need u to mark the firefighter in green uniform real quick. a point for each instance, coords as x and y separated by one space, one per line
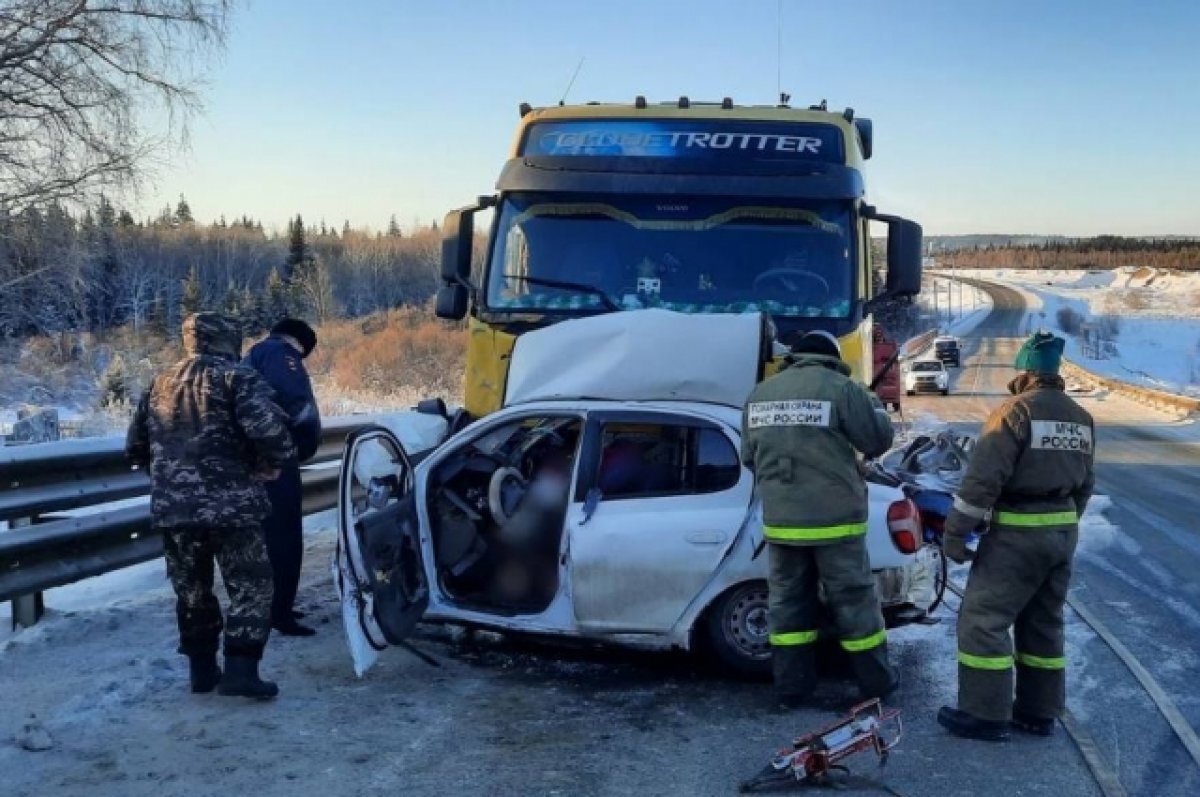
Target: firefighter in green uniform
1029 480
800 431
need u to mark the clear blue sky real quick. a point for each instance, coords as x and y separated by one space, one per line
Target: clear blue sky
1062 116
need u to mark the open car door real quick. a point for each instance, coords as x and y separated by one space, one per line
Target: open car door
378 565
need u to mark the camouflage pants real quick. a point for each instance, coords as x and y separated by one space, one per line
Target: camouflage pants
242 556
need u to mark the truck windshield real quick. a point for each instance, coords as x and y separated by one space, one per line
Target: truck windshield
556 254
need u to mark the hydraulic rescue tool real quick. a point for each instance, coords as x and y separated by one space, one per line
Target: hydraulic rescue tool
813 759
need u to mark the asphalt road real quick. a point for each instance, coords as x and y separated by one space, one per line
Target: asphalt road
1140 579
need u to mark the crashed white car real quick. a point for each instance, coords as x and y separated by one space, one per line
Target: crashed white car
606 501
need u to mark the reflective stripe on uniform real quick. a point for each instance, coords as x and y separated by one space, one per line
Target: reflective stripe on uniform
985 662
810 533
970 510
1037 519
865 643
793 638
1042 662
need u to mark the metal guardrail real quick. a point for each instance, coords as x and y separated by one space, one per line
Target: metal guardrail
914 346
43 549
1159 399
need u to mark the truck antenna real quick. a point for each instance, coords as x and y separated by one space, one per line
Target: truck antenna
779 54
567 90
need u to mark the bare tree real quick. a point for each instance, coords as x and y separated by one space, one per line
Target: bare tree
75 77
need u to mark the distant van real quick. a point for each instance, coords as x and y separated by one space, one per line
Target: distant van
946 349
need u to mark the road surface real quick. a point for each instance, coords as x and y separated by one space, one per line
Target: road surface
1141 581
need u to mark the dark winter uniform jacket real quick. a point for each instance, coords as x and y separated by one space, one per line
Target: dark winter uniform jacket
205 427
1033 464
283 368
800 431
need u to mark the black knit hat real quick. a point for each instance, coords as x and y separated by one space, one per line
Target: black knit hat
818 342
302 332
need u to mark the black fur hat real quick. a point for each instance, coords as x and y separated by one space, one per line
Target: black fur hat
302 332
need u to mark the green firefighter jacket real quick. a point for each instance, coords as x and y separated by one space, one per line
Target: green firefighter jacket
1033 464
800 430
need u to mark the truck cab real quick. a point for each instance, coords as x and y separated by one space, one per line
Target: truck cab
699 208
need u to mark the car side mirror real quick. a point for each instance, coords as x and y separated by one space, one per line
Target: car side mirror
590 503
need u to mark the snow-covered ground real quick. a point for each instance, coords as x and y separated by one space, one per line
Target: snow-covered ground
1147 319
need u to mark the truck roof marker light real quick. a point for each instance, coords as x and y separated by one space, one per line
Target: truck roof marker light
639 102
727 103
524 108
784 99
684 102
848 114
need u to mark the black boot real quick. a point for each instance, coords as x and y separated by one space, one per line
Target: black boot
960 723
205 675
290 627
1031 723
241 679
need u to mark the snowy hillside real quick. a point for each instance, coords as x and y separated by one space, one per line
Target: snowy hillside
1139 325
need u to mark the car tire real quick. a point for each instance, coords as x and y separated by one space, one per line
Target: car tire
946 392
910 392
736 631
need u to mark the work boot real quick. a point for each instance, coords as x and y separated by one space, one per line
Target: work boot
1032 723
204 673
290 627
883 690
960 723
241 679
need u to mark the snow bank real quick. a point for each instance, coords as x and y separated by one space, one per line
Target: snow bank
1156 342
1096 532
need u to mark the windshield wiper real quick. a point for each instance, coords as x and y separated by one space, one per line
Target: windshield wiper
578 287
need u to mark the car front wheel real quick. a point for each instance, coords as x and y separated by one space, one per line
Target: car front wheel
737 630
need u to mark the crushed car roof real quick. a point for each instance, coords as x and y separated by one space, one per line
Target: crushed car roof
640 355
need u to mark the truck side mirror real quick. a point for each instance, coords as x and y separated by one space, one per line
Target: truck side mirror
458 238
904 259
452 302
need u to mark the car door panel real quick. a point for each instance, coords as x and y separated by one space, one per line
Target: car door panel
637 563
378 562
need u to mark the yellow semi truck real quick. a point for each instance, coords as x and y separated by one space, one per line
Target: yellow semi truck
688 206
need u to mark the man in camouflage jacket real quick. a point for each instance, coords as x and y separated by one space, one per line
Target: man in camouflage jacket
1030 479
211 435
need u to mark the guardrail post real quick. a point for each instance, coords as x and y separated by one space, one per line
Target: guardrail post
26 609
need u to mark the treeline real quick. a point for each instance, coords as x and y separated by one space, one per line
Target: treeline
63 272
1101 252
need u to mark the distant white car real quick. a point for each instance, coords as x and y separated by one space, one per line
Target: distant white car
926 376
584 508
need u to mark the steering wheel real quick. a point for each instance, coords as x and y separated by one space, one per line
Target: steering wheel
503 481
788 280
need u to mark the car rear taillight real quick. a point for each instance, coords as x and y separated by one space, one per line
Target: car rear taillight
904 524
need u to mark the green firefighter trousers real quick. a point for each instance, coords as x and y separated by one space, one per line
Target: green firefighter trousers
1018 581
843 571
